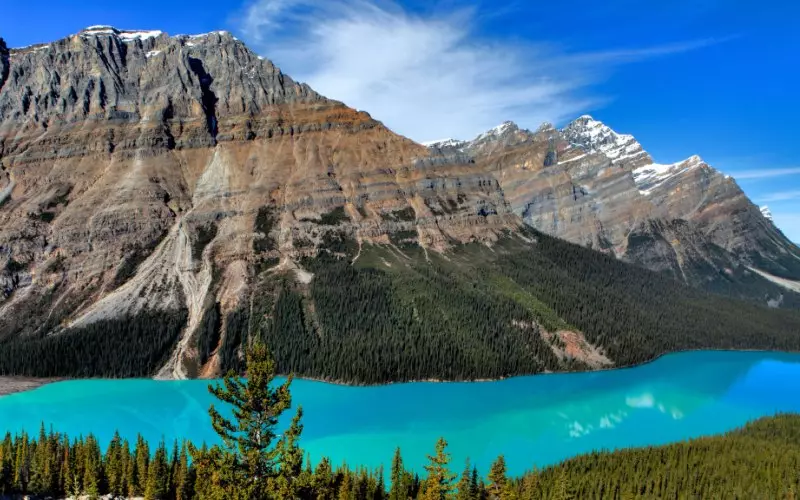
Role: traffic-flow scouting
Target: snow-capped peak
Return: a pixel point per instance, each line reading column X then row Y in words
column 124, row 35
column 443, row 143
column 595, row 136
column 766, row 213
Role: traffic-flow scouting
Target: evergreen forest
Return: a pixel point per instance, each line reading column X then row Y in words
column 396, row 312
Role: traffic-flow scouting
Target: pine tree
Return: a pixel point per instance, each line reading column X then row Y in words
column 323, row 480
column 92, row 468
column 497, row 477
column 463, row 487
column 6, row 465
column 399, row 488
column 474, row 484
column 113, row 465
column 130, row 471
column 247, row 463
column 157, row 484
column 561, row 486
column 183, row 475
column 438, row 484
column 346, row 487
column 291, row 458
column 39, row 468
column 142, row 463
column 22, row 463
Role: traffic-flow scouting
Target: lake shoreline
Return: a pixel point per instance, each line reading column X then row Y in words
column 13, row 384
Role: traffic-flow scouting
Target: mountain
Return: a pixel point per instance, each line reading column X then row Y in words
column 593, row 186
column 164, row 198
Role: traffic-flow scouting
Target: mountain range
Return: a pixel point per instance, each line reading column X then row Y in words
column 163, row 198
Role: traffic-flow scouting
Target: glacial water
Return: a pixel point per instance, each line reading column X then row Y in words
column 534, row 420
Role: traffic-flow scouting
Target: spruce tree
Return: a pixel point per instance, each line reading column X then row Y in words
column 438, row 484
column 399, row 487
column 142, row 463
column 248, row 462
column 463, row 489
column 497, row 477
column 157, row 484
column 92, row 468
column 323, row 480
column 291, row 458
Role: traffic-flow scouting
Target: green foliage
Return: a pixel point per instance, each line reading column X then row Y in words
column 123, row 347
column 405, row 215
column 248, row 464
column 208, row 332
column 439, row 484
column 334, row 217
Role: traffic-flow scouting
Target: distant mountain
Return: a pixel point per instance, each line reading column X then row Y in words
column 164, row 199
column 593, row 186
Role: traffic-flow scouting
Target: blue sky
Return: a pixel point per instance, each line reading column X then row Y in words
column 709, row 77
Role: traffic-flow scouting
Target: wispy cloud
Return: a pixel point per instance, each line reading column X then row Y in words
column 429, row 75
column 766, row 173
column 780, row 196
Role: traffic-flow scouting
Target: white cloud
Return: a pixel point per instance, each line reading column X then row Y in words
column 780, row 196
column 766, row 173
column 429, row 76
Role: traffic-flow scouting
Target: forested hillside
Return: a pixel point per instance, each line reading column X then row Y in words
column 527, row 304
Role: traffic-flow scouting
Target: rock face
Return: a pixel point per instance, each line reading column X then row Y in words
column 144, row 172
column 591, row 185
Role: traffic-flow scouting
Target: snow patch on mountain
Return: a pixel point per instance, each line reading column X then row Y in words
column 765, row 211
column 650, row 177
column 443, row 143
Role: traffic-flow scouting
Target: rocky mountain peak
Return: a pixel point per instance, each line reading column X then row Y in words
column 594, row 136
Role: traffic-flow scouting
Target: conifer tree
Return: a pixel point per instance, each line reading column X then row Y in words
column 399, row 487
column 248, row 462
column 92, row 468
column 39, row 481
column 497, row 477
column 438, row 484
column 323, row 480
column 463, row 487
column 474, row 484
column 183, row 476
column 130, row 472
column 346, row 487
column 291, row 458
column 561, row 486
column 113, row 466
column 22, row 464
column 142, row 462
column 157, row 485
column 6, row 465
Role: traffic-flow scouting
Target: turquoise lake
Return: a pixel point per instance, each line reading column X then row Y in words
column 533, row 420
